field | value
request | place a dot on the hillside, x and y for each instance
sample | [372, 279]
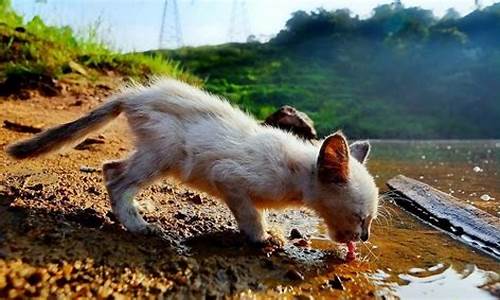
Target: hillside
[402, 73]
[48, 59]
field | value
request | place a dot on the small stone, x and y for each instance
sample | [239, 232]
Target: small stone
[486, 197]
[268, 264]
[93, 190]
[196, 199]
[336, 283]
[295, 234]
[34, 278]
[179, 215]
[293, 274]
[36, 187]
[301, 243]
[87, 169]
[77, 103]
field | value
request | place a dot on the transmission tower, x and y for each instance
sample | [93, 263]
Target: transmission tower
[170, 31]
[239, 27]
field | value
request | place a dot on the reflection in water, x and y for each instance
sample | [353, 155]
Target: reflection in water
[439, 282]
[446, 283]
[404, 258]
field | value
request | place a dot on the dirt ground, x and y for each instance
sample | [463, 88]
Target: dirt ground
[58, 237]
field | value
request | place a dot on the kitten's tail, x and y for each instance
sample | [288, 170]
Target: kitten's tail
[56, 137]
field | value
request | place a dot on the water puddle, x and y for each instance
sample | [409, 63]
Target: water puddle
[404, 258]
[468, 170]
[445, 282]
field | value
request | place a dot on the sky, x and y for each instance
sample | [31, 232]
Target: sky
[134, 25]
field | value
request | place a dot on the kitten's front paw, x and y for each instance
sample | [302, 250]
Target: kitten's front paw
[270, 242]
[275, 239]
[157, 231]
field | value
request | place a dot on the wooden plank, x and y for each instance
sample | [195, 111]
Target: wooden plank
[474, 226]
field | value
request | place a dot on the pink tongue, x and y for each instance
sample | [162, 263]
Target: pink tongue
[351, 251]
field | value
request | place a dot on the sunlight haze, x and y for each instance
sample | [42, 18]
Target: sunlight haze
[135, 25]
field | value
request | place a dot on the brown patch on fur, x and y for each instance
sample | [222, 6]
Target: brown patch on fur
[293, 167]
[333, 160]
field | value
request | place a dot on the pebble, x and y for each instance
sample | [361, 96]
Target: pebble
[180, 215]
[293, 274]
[87, 169]
[268, 264]
[486, 197]
[36, 187]
[295, 234]
[196, 199]
[93, 190]
[336, 283]
[301, 243]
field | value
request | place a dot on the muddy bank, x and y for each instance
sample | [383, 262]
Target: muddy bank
[57, 236]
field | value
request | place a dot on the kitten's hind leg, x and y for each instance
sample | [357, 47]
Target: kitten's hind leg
[123, 181]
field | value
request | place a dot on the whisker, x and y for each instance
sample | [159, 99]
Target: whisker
[386, 215]
[385, 207]
[380, 218]
[369, 250]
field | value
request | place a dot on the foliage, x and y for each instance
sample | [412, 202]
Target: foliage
[34, 48]
[402, 73]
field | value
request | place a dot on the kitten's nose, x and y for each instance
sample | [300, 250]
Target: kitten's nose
[365, 236]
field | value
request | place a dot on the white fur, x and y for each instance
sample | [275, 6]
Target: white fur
[205, 142]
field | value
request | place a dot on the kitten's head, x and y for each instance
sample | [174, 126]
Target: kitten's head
[346, 196]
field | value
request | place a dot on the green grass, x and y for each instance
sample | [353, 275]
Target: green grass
[400, 74]
[33, 48]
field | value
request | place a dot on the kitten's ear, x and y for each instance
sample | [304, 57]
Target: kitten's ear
[360, 150]
[333, 160]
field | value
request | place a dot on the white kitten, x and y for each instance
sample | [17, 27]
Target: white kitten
[208, 144]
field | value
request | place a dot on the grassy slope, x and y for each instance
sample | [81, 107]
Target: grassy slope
[30, 50]
[435, 82]
[261, 78]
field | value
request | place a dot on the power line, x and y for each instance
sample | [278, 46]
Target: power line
[170, 31]
[239, 27]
